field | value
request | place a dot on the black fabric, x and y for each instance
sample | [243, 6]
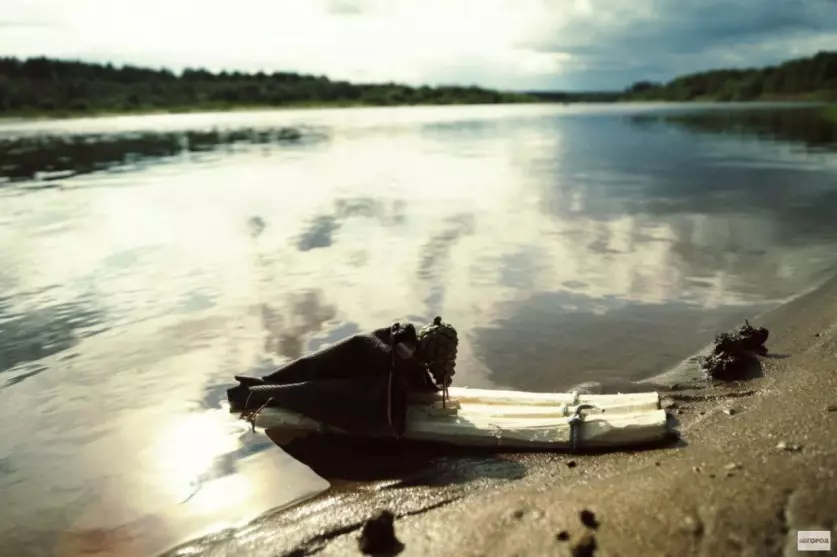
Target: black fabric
[355, 385]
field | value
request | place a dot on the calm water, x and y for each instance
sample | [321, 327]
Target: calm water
[145, 260]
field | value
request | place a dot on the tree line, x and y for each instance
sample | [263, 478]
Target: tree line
[51, 86]
[811, 78]
[43, 85]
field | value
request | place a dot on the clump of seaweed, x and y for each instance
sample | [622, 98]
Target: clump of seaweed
[734, 354]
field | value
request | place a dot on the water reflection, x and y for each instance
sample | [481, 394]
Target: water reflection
[804, 125]
[306, 314]
[567, 245]
[198, 475]
[321, 229]
[32, 334]
[47, 158]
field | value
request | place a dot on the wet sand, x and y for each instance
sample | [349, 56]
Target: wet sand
[725, 488]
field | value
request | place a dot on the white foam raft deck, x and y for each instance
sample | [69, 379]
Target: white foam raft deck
[514, 419]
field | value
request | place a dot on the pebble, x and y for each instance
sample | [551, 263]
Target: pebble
[588, 518]
[785, 446]
[692, 525]
[585, 546]
[730, 411]
[562, 536]
[831, 408]
[733, 466]
[571, 464]
[378, 534]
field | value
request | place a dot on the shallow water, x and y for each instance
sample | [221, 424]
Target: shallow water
[145, 260]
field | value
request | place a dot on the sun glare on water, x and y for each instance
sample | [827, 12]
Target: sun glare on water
[186, 449]
[192, 479]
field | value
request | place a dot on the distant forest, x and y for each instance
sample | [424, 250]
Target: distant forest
[43, 86]
[811, 78]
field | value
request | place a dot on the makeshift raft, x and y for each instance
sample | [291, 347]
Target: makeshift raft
[511, 419]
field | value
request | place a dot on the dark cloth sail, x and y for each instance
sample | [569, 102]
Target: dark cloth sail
[358, 385]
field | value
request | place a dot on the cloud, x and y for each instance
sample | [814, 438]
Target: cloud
[518, 44]
[349, 7]
[614, 43]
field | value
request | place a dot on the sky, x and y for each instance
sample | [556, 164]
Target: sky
[507, 44]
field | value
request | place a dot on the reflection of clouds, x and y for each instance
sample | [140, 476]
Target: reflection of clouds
[39, 332]
[320, 231]
[305, 314]
[640, 226]
[554, 340]
[437, 248]
[436, 218]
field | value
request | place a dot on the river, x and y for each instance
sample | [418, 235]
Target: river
[145, 260]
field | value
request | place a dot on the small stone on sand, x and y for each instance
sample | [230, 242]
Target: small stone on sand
[790, 447]
[730, 411]
[562, 536]
[378, 534]
[733, 466]
[692, 525]
[571, 464]
[588, 518]
[585, 546]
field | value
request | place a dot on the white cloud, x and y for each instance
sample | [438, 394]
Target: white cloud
[408, 41]
[503, 43]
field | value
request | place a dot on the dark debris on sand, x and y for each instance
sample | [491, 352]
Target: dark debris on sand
[378, 535]
[735, 353]
[588, 518]
[585, 546]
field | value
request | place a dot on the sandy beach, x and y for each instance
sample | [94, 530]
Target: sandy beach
[727, 489]
[754, 464]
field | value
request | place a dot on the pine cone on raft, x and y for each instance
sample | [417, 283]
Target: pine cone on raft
[438, 344]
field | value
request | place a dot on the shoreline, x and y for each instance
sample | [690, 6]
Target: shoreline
[174, 111]
[727, 487]
[686, 368]
[830, 108]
